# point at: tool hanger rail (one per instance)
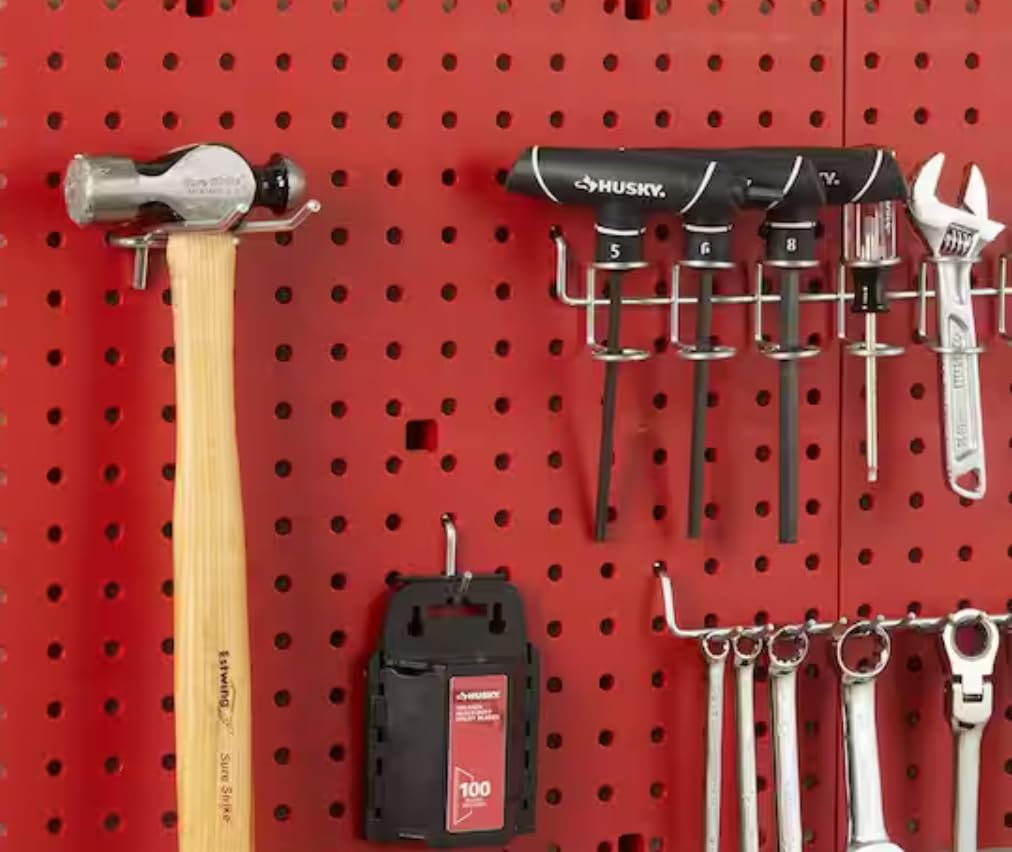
(910, 621)
(841, 297)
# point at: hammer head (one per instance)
(952, 232)
(201, 184)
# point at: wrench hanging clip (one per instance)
(970, 702)
(955, 236)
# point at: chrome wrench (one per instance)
(715, 651)
(970, 701)
(955, 236)
(866, 824)
(746, 651)
(783, 704)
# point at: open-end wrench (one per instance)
(955, 237)
(746, 651)
(715, 651)
(783, 704)
(866, 819)
(970, 702)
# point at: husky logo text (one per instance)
(611, 186)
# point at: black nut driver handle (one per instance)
(848, 175)
(852, 175)
(647, 181)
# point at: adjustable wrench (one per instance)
(970, 702)
(715, 651)
(955, 237)
(866, 819)
(783, 703)
(744, 707)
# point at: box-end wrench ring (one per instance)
(970, 700)
(715, 650)
(747, 649)
(783, 704)
(866, 823)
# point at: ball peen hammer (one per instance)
(194, 202)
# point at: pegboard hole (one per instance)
(421, 435)
(972, 61)
(922, 60)
(921, 115)
(639, 10)
(765, 62)
(971, 115)
(714, 118)
(922, 7)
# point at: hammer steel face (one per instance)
(955, 236)
(202, 184)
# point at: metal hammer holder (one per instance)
(590, 303)
(157, 237)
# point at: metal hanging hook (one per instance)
(450, 532)
(233, 222)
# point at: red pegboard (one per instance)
(422, 293)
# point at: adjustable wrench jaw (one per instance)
(955, 237)
(960, 232)
(970, 693)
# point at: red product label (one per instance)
(477, 761)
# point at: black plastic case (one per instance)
(436, 629)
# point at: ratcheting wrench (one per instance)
(970, 700)
(955, 237)
(866, 823)
(783, 704)
(715, 651)
(746, 651)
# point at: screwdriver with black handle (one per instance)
(622, 186)
(868, 183)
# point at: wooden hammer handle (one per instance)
(212, 694)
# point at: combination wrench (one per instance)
(866, 830)
(715, 651)
(783, 708)
(746, 651)
(970, 703)
(955, 236)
